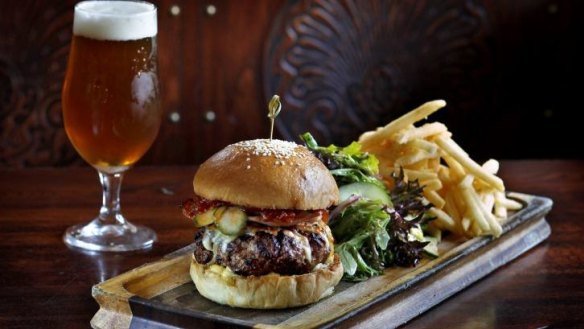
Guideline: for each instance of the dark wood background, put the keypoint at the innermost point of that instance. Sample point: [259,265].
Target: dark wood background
[509,70]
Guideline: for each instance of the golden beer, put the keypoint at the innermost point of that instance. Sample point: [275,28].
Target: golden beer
[111,110]
[111,105]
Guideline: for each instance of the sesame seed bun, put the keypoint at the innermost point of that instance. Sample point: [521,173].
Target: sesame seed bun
[267,174]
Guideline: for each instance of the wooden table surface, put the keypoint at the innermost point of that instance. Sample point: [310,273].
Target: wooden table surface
[43,284]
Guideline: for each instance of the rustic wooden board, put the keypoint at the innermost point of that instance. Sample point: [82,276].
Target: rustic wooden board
[161,294]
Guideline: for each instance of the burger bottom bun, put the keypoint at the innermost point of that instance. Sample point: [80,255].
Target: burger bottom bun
[267,291]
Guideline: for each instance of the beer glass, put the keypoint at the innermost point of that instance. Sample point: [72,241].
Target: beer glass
[111,109]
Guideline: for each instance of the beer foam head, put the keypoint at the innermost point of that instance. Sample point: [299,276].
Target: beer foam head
[115,20]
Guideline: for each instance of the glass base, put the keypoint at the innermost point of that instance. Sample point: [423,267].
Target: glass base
[97,236]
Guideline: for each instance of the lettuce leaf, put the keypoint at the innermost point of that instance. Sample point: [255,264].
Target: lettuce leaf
[369,235]
[347,164]
[362,239]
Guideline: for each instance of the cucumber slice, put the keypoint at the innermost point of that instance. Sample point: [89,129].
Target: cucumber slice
[431,248]
[232,221]
[205,218]
[219,212]
[366,190]
[417,234]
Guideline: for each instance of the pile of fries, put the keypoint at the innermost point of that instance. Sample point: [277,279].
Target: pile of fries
[468,199]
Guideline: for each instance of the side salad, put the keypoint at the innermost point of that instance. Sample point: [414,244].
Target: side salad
[374,227]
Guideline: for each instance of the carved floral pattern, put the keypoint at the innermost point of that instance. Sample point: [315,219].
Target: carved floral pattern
[33,53]
[346,66]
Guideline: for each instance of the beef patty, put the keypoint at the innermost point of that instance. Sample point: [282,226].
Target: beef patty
[261,249]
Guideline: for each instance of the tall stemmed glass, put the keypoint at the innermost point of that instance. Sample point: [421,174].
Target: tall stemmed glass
[111,109]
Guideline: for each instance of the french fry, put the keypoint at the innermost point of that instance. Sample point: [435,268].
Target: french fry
[488,200]
[467,198]
[412,158]
[400,123]
[443,219]
[424,131]
[507,203]
[495,227]
[477,210]
[491,166]
[466,223]
[434,199]
[475,229]
[450,147]
[432,184]
[444,174]
[426,146]
[434,164]
[500,212]
[451,208]
[473,211]
[420,165]
[455,168]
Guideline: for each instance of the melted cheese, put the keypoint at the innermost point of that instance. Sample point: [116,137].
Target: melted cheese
[330,241]
[225,273]
[212,239]
[303,241]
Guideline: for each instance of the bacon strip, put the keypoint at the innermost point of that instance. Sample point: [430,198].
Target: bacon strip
[270,217]
[287,217]
[198,205]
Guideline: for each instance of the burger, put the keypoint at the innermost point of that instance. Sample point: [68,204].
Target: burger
[262,239]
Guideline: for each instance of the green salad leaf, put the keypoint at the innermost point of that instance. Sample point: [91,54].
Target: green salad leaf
[347,164]
[371,235]
[361,238]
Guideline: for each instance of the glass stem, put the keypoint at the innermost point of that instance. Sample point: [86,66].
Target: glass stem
[110,212]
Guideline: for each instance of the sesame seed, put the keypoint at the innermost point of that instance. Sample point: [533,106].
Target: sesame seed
[248,167]
[264,147]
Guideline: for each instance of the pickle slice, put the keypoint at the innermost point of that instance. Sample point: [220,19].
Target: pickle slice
[204,219]
[231,221]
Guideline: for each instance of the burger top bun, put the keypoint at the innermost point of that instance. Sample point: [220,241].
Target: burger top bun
[267,174]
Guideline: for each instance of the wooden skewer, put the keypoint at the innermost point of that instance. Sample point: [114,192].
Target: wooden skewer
[274,108]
